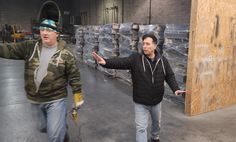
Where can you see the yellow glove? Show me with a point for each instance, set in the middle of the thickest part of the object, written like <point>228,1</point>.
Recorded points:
<point>78,100</point>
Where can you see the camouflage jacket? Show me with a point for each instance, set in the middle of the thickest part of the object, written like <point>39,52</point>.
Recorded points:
<point>62,70</point>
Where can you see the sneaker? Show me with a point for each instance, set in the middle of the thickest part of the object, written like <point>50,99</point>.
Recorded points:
<point>155,140</point>
<point>67,138</point>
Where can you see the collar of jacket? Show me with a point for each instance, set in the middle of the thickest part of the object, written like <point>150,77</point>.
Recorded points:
<point>38,48</point>
<point>157,55</point>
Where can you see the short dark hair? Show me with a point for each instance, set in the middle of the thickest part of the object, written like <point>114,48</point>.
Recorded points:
<point>152,36</point>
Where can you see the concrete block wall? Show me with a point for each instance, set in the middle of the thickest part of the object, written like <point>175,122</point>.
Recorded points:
<point>137,11</point>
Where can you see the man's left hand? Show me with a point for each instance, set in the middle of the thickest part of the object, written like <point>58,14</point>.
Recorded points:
<point>178,92</point>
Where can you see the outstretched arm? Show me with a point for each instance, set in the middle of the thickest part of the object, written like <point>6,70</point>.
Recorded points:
<point>17,51</point>
<point>124,63</point>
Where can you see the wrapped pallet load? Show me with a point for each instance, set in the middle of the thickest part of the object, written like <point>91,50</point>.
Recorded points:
<point>175,49</point>
<point>79,36</point>
<point>91,36</point>
<point>128,41</point>
<point>108,45</point>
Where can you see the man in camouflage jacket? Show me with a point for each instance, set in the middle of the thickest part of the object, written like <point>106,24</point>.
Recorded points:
<point>49,67</point>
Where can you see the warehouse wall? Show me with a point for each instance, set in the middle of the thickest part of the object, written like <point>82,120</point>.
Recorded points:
<point>99,11</point>
<point>138,11</point>
<point>18,13</point>
<point>171,11</point>
<point>21,12</point>
<point>92,12</point>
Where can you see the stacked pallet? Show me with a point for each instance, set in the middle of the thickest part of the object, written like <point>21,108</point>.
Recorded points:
<point>91,35</point>
<point>79,36</point>
<point>108,45</point>
<point>128,41</point>
<point>176,50</point>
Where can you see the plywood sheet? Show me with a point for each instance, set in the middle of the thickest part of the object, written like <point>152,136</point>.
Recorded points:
<point>211,81</point>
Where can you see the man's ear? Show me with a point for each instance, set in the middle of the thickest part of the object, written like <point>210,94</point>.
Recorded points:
<point>58,35</point>
<point>156,47</point>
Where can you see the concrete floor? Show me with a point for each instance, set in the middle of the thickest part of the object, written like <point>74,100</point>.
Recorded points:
<point>107,115</point>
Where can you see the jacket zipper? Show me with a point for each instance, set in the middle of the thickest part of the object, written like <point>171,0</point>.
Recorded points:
<point>152,71</point>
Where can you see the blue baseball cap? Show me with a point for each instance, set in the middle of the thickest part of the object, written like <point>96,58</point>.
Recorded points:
<point>48,24</point>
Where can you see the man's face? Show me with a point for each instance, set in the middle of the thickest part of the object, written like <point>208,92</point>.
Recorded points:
<point>148,46</point>
<point>48,37</point>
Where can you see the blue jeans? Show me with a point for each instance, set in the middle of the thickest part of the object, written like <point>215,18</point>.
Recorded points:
<point>52,119</point>
<point>141,119</point>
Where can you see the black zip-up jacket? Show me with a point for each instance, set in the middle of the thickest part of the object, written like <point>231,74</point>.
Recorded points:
<point>148,80</point>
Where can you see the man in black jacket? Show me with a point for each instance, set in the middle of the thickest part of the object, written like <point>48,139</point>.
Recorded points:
<point>149,70</point>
